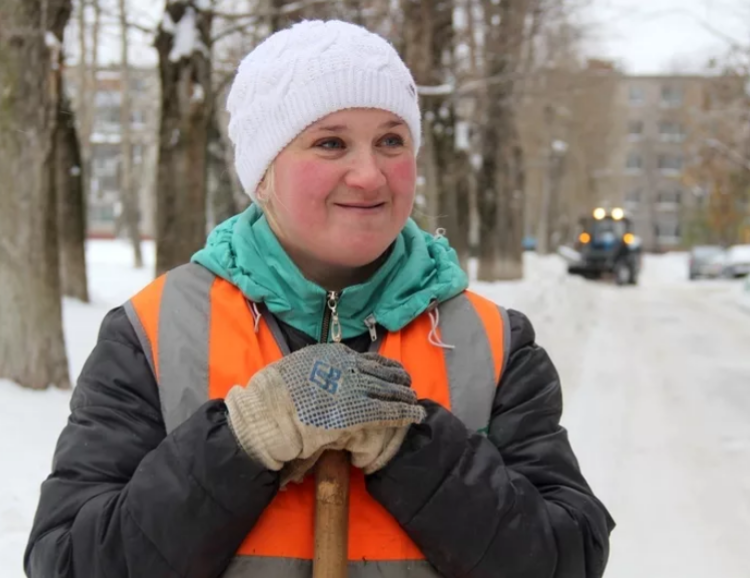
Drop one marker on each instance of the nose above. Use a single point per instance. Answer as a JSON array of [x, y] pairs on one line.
[[365, 172]]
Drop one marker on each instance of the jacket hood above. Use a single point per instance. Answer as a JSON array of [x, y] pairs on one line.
[[419, 270]]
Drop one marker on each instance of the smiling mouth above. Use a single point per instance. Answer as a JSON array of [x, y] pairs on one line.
[[362, 207]]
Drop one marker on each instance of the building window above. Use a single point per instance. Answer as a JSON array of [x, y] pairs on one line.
[[137, 154], [102, 213], [106, 166], [635, 129], [670, 164], [636, 96], [138, 117], [634, 163], [137, 84], [669, 199], [108, 98], [107, 117], [668, 232], [633, 196], [671, 97], [633, 200], [671, 131]]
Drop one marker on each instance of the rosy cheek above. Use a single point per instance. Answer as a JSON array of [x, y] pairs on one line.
[[403, 174], [313, 179]]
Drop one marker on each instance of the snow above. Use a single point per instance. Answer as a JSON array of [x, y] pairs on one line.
[[167, 24], [108, 138], [738, 254], [51, 41], [438, 90], [186, 37], [656, 390], [199, 95]]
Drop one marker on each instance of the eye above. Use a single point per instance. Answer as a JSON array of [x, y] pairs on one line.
[[330, 144], [392, 141]]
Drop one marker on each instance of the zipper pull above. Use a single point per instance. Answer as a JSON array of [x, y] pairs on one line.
[[333, 303], [370, 321]]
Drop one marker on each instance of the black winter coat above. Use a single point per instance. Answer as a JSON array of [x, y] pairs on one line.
[[126, 500]]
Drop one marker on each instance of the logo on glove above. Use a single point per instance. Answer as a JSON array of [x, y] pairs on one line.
[[325, 376]]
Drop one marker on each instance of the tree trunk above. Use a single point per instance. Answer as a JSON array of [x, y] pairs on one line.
[[453, 165], [417, 53], [355, 11], [71, 205], [32, 349], [87, 67], [183, 140], [500, 195], [128, 193], [221, 193], [428, 47], [85, 112], [461, 185]]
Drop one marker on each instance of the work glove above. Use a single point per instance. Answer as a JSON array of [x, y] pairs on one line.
[[371, 449], [321, 397]]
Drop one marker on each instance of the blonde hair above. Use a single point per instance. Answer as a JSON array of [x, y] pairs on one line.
[[264, 193], [267, 186]]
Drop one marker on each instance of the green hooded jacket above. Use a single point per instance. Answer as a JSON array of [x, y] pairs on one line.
[[420, 268]]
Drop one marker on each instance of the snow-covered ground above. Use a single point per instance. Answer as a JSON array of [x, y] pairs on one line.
[[657, 394]]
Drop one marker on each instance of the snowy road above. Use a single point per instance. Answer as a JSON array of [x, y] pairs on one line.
[[660, 418], [657, 393]]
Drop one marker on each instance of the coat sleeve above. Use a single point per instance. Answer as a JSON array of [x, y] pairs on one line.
[[513, 503], [124, 498]]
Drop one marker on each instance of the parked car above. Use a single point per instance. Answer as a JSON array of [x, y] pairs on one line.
[[737, 261], [707, 261]]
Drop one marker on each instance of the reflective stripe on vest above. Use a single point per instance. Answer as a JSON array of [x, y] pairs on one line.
[[265, 567], [199, 335]]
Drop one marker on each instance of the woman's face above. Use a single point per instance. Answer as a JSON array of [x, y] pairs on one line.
[[344, 188]]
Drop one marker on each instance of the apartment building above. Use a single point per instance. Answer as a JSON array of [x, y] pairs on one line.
[[664, 134], [104, 207]]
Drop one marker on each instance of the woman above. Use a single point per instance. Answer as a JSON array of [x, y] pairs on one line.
[[321, 318]]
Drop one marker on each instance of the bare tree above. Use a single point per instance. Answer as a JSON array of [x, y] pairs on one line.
[[428, 45], [70, 178], [221, 192], [87, 69], [32, 349], [501, 178], [719, 176], [128, 193], [418, 33], [71, 203], [568, 123], [183, 43]]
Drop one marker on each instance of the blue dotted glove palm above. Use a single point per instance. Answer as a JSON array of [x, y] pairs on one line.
[[321, 397]]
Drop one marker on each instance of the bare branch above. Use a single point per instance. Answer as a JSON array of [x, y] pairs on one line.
[[440, 90], [286, 10]]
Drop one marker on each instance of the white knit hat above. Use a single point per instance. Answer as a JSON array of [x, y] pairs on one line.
[[301, 74]]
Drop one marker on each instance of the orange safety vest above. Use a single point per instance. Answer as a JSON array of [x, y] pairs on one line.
[[201, 338]]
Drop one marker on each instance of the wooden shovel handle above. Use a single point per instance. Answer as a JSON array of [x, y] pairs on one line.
[[331, 515]]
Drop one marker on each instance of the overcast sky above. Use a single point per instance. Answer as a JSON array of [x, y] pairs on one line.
[[654, 36], [644, 36]]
